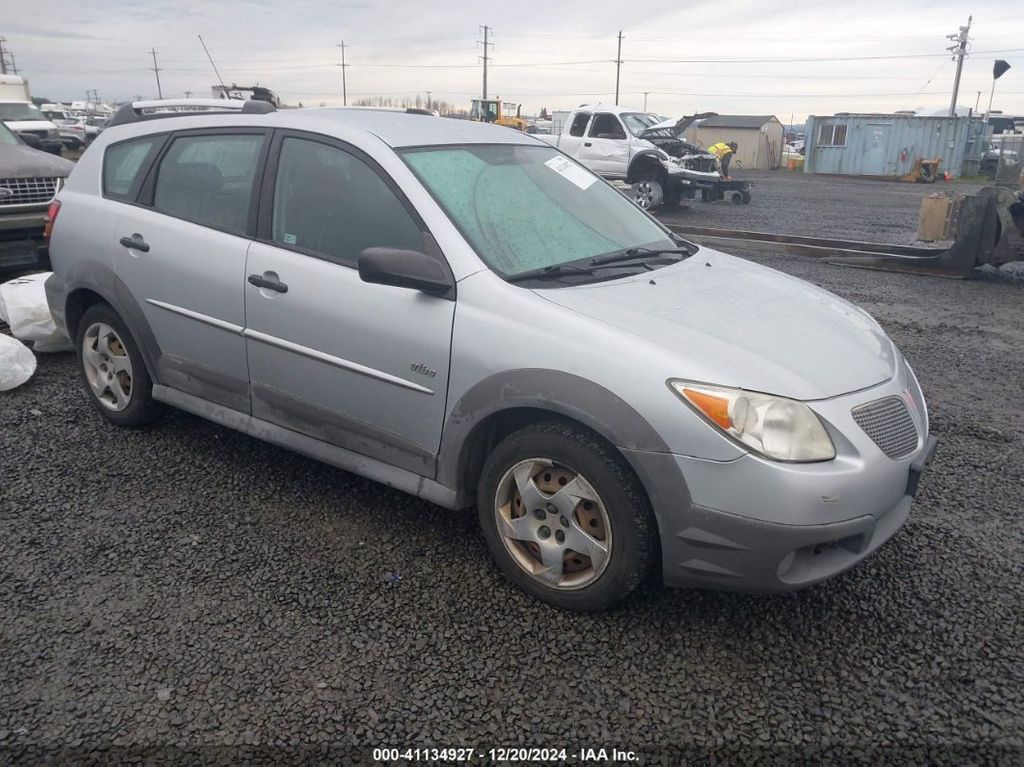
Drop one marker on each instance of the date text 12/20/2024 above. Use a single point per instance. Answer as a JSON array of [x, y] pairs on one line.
[[517, 754]]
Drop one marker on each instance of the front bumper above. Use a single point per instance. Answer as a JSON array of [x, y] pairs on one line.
[[719, 550], [21, 241], [756, 525]]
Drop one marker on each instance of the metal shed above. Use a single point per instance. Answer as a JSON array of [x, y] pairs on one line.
[[759, 138], [889, 144]]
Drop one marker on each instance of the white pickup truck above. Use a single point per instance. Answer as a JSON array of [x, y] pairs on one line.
[[646, 151]]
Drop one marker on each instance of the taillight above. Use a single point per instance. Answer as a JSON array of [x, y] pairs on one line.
[[51, 219]]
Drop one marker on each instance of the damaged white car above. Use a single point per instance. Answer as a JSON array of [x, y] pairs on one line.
[[646, 151]]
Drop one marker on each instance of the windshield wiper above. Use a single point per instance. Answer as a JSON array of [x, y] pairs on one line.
[[617, 259], [555, 270], [638, 254]]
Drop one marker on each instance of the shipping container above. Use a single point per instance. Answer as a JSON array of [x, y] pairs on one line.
[[889, 144]]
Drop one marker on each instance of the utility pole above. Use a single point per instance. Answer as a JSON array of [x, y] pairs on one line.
[[486, 30], [3, 56], [188, 94], [344, 66], [156, 71], [428, 99], [645, 100], [959, 50], [618, 66]]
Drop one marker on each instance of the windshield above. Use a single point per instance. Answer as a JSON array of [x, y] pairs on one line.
[[7, 135], [19, 111], [637, 122], [529, 207]]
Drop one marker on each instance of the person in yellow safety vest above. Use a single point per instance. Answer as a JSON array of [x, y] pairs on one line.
[[724, 152]]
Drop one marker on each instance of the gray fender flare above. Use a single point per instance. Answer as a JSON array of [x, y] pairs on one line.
[[569, 396], [101, 279]]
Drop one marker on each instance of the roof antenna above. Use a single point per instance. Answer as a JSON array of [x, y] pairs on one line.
[[224, 89]]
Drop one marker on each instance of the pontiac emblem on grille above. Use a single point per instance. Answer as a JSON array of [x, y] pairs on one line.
[[5, 192]]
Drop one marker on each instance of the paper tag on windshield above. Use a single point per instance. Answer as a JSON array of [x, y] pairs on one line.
[[571, 172]]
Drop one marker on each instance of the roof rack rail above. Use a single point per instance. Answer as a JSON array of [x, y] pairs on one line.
[[421, 111], [137, 111]]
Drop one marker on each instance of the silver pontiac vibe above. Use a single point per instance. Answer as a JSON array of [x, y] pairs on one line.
[[463, 312]]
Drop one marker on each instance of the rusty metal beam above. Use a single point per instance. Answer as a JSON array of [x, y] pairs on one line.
[[985, 234]]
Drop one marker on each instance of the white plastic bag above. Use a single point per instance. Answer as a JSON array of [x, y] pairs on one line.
[[23, 306], [17, 362]]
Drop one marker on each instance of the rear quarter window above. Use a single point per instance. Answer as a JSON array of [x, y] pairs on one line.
[[124, 165]]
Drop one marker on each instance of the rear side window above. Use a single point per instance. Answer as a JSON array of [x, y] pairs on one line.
[[579, 124], [208, 180], [123, 166], [330, 202]]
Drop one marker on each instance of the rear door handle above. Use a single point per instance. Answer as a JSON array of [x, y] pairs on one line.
[[587, 143], [269, 281], [135, 242]]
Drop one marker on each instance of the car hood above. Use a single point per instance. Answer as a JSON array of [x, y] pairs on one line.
[[20, 161], [735, 323]]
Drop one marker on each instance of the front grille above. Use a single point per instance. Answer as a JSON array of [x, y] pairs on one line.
[[27, 191], [889, 424]]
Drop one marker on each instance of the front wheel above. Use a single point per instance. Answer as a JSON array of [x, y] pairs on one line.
[[648, 193], [565, 518]]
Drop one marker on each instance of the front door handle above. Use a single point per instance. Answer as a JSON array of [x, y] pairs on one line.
[[269, 281], [135, 242], [587, 143]]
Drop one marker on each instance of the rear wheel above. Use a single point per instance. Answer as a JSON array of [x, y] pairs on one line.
[[565, 518], [113, 370]]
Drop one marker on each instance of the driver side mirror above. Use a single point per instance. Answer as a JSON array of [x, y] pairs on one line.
[[31, 140], [407, 269]]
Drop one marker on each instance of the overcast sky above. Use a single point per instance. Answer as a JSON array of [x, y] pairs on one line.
[[725, 56]]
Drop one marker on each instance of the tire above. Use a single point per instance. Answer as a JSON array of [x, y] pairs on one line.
[[648, 193], [576, 482], [112, 369], [746, 198]]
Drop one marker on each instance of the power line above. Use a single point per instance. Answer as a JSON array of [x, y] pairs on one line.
[[812, 60]]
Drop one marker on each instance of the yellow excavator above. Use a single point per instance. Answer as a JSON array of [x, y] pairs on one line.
[[498, 112]]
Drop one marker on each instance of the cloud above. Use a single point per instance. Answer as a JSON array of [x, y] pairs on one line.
[[545, 54]]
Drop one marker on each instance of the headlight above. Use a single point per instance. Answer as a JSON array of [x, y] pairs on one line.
[[777, 428]]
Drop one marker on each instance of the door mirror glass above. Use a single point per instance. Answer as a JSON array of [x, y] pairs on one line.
[[406, 269], [31, 140]]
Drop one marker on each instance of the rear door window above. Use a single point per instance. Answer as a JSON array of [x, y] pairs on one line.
[[208, 180], [124, 166]]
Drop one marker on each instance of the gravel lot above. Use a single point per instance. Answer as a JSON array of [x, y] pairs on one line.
[[185, 586], [848, 208]]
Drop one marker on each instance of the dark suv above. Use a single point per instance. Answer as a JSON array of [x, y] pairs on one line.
[[29, 180]]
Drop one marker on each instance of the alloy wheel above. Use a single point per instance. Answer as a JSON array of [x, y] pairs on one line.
[[107, 366]]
